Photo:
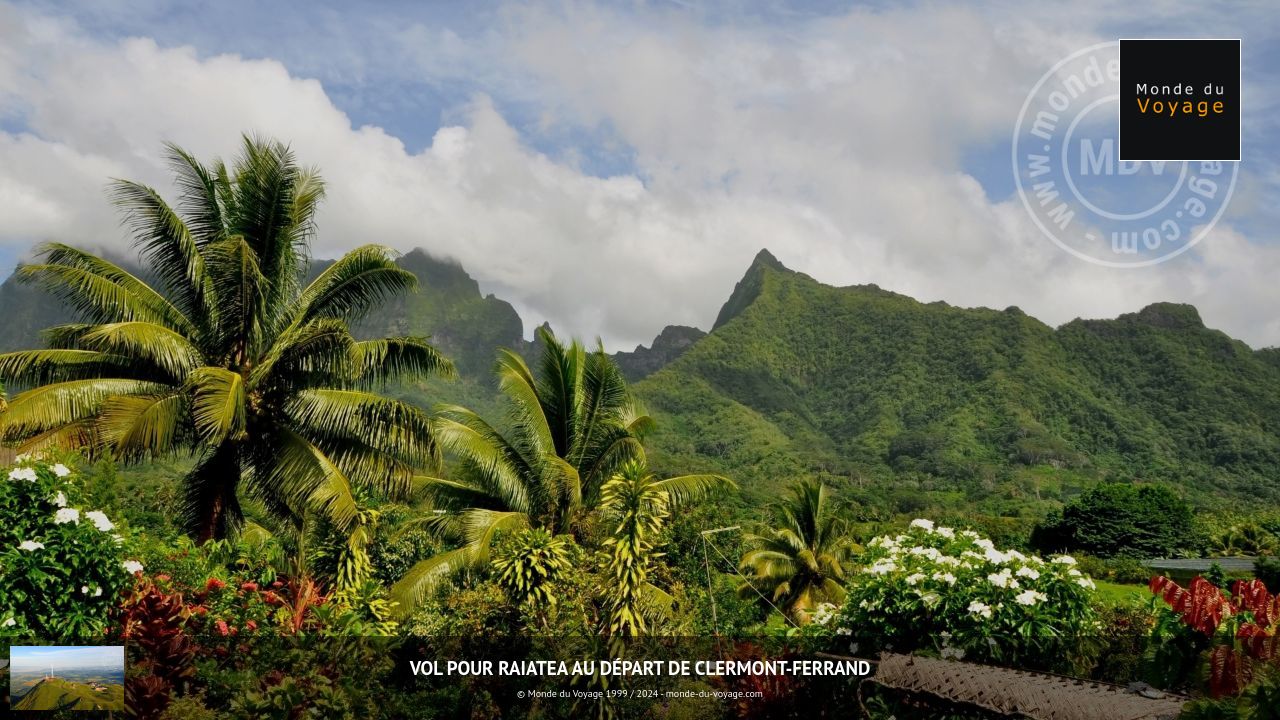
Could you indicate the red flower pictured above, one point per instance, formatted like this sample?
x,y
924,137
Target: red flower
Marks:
x,y
199,609
251,625
249,587
221,625
162,577
214,584
277,584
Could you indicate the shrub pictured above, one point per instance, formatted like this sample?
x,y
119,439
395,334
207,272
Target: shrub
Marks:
x,y
1267,569
937,585
62,568
1124,570
1113,519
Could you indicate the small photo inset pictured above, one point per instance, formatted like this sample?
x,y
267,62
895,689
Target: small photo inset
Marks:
x,y
66,677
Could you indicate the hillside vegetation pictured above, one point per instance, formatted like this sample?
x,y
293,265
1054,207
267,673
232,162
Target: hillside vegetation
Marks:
x,y
865,386
59,694
909,405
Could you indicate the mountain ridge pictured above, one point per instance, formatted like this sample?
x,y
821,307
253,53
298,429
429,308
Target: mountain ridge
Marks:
x,y
863,386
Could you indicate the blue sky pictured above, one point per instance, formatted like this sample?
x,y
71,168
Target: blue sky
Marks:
x,y
612,167
64,657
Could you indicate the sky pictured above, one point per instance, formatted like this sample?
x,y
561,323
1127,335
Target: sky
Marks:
x,y
613,167
63,657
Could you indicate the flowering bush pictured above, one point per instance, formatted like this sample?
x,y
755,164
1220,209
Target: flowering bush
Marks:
x,y
954,592
61,566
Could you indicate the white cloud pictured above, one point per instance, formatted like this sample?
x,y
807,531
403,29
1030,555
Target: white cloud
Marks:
x,y
837,144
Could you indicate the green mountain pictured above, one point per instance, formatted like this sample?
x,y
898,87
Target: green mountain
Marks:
x,y
59,694
912,404
907,405
670,344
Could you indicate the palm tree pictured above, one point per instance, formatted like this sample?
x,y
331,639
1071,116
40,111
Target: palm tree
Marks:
x,y
229,356
800,563
568,430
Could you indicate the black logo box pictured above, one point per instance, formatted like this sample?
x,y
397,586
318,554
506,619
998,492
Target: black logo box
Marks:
x,y
1185,67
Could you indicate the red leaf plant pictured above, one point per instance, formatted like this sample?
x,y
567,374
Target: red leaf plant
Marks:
x,y
1253,610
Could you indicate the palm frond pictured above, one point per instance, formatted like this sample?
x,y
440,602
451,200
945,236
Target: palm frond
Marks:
x,y
140,427
427,575
685,489
167,248
53,406
378,362
360,280
144,343
41,367
218,403
393,427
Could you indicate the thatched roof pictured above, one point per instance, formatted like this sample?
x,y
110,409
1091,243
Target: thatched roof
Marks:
x,y
1022,694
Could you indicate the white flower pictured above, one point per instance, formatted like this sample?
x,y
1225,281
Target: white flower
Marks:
x,y
1015,555
969,533
950,652
931,598
1030,597
985,544
945,577
131,566
100,520
84,589
844,631
1086,583
995,557
882,567
1003,579
1065,560
22,458
61,470
97,592
1027,572
980,608
915,578
31,545
66,515
946,532
1074,572
23,473
926,525
117,538
60,499
9,623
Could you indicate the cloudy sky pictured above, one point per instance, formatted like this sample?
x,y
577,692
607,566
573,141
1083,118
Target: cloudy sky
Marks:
x,y
613,167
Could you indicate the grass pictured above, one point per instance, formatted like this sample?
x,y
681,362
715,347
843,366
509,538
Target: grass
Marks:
x,y
1120,594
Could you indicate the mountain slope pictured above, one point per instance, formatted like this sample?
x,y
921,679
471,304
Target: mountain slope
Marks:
x,y
871,387
59,694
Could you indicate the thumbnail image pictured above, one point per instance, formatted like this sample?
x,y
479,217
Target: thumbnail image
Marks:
x,y
63,677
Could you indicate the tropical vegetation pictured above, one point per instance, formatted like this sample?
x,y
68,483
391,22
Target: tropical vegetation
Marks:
x,y
800,563
227,353
276,514
567,432
954,592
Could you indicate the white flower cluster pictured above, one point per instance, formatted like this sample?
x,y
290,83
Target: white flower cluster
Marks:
x,y
64,515
933,568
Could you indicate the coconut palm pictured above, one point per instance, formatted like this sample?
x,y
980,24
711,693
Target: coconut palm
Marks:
x,y
800,563
227,354
568,429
